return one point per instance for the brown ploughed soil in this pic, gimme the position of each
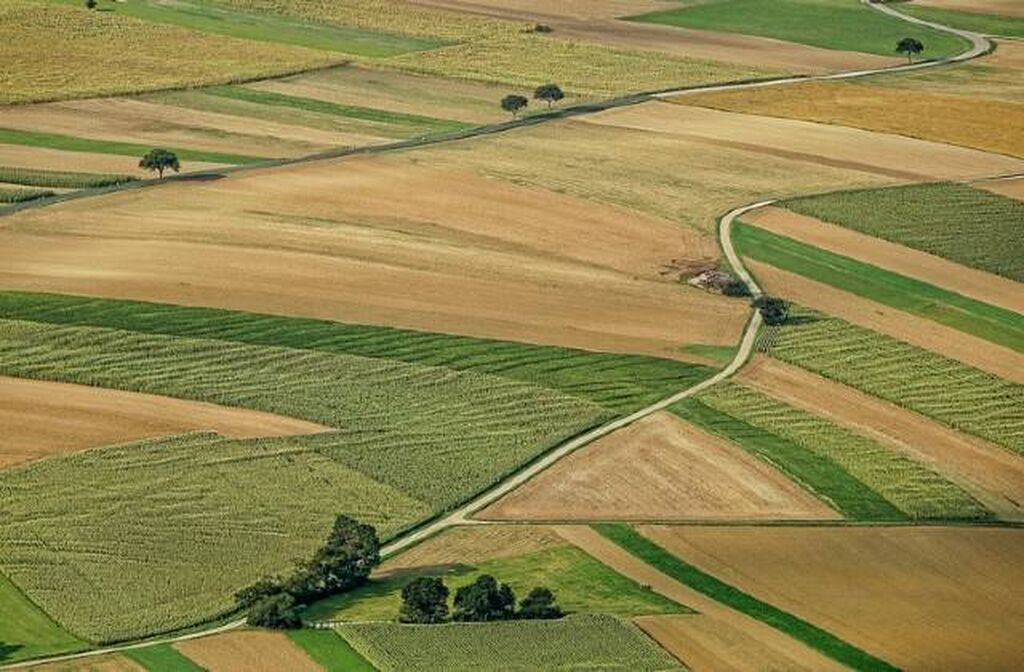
(248, 651)
(106, 663)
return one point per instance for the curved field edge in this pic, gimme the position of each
(26, 631)
(677, 568)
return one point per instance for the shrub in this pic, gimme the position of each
(539, 604)
(275, 611)
(773, 309)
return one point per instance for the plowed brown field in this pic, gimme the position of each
(940, 117)
(713, 632)
(383, 240)
(659, 468)
(918, 331)
(990, 473)
(976, 284)
(108, 663)
(248, 651)
(926, 598)
(39, 418)
(473, 544)
(829, 145)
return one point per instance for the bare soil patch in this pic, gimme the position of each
(755, 639)
(248, 651)
(991, 474)
(1004, 7)
(659, 468)
(924, 333)
(597, 22)
(107, 663)
(918, 597)
(40, 418)
(976, 284)
(829, 145)
(383, 240)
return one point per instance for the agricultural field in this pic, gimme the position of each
(26, 631)
(890, 591)
(163, 657)
(1004, 19)
(831, 24)
(591, 642)
(247, 650)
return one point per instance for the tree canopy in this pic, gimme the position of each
(773, 309)
(514, 103)
(160, 160)
(539, 603)
(424, 600)
(909, 46)
(484, 600)
(549, 93)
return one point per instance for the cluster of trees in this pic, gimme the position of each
(549, 93)
(425, 600)
(774, 310)
(344, 562)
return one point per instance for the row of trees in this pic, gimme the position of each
(344, 562)
(425, 600)
(515, 103)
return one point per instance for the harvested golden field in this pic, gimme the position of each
(1004, 7)
(23, 156)
(248, 651)
(473, 544)
(39, 419)
(924, 333)
(940, 117)
(690, 181)
(596, 22)
(106, 663)
(918, 597)
(990, 473)
(986, 287)
(715, 629)
(659, 468)
(1013, 188)
(150, 56)
(997, 76)
(384, 240)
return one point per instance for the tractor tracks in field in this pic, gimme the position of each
(980, 45)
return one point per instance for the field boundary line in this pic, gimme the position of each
(460, 516)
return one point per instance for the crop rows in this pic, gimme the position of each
(584, 642)
(910, 486)
(621, 383)
(960, 396)
(54, 179)
(23, 195)
(125, 541)
(969, 226)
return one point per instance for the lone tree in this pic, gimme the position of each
(160, 160)
(539, 604)
(484, 600)
(424, 600)
(773, 309)
(514, 103)
(549, 93)
(909, 46)
(276, 611)
(91, 4)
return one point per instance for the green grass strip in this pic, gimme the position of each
(814, 471)
(56, 179)
(270, 27)
(998, 325)
(70, 143)
(162, 658)
(23, 195)
(619, 382)
(988, 24)
(832, 24)
(335, 109)
(26, 631)
(330, 650)
(797, 628)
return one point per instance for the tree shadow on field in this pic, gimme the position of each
(795, 320)
(8, 650)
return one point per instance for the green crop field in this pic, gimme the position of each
(23, 195)
(27, 632)
(969, 226)
(161, 658)
(987, 24)
(207, 17)
(130, 540)
(960, 396)
(70, 143)
(581, 584)
(59, 179)
(832, 24)
(584, 642)
(908, 485)
(330, 650)
(825, 642)
(621, 383)
(998, 325)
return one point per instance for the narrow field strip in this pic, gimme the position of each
(992, 323)
(58, 179)
(161, 658)
(16, 195)
(619, 382)
(71, 143)
(976, 21)
(654, 555)
(248, 651)
(955, 394)
(330, 650)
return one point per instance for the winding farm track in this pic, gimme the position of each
(980, 45)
